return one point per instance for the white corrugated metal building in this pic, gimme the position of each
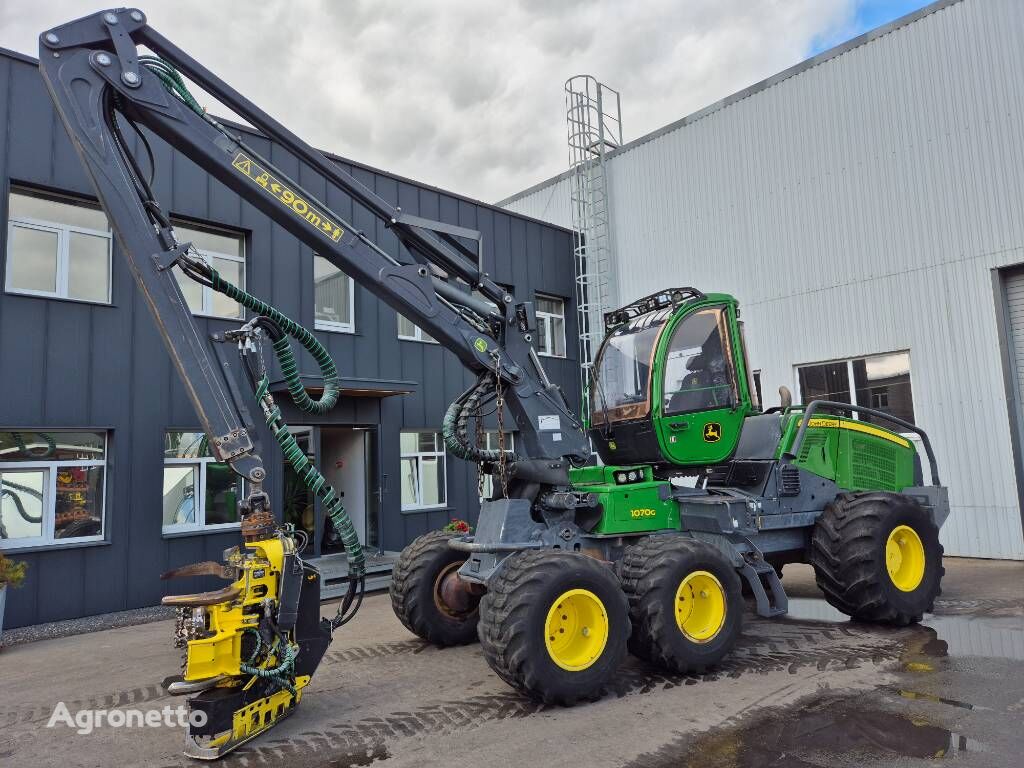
(866, 202)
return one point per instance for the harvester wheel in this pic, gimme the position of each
(427, 596)
(554, 625)
(685, 602)
(877, 557)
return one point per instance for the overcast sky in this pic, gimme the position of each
(468, 94)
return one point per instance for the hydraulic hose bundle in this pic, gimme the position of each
(455, 426)
(278, 327)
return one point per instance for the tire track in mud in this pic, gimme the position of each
(42, 712)
(764, 647)
(36, 713)
(377, 651)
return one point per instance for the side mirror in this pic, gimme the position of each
(785, 396)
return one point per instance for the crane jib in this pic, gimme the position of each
(281, 192)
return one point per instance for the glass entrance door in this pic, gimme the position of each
(299, 505)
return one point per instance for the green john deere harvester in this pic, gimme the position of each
(700, 494)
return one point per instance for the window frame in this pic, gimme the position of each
(419, 456)
(207, 291)
(63, 233)
(48, 538)
(329, 326)
(850, 380)
(419, 335)
(732, 374)
(200, 463)
(546, 318)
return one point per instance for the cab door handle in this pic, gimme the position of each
(679, 425)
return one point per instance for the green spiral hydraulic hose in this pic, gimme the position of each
(316, 482)
(282, 672)
(309, 474)
(293, 454)
(283, 350)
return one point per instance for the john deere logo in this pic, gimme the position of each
(712, 432)
(480, 344)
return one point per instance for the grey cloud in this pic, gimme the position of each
(467, 94)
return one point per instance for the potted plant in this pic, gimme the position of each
(11, 574)
(458, 526)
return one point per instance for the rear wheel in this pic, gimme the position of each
(877, 557)
(554, 625)
(685, 602)
(427, 596)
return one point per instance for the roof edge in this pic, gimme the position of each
(23, 57)
(762, 85)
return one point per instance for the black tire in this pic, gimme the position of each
(653, 571)
(415, 593)
(848, 552)
(514, 615)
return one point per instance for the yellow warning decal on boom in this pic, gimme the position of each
(287, 197)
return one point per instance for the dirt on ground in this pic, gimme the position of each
(809, 689)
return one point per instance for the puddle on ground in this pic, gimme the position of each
(377, 752)
(919, 696)
(814, 609)
(822, 732)
(961, 635)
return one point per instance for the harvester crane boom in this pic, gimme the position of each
(93, 72)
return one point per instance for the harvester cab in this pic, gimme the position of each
(672, 386)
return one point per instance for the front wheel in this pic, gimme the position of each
(554, 625)
(426, 594)
(685, 602)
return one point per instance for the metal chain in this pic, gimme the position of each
(499, 404)
(479, 442)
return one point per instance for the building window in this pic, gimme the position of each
(409, 331)
(424, 483)
(881, 382)
(57, 248)
(199, 493)
(52, 487)
(550, 326)
(334, 292)
(225, 252)
(490, 443)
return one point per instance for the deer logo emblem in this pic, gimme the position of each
(712, 432)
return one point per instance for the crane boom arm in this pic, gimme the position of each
(94, 73)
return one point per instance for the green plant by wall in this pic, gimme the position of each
(458, 526)
(12, 573)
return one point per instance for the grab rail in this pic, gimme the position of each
(815, 405)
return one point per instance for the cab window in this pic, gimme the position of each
(698, 368)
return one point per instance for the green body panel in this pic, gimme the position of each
(684, 438)
(857, 456)
(627, 509)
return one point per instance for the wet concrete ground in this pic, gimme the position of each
(812, 689)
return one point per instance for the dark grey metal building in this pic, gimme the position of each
(105, 481)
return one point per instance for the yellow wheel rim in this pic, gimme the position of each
(904, 558)
(576, 630)
(700, 606)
